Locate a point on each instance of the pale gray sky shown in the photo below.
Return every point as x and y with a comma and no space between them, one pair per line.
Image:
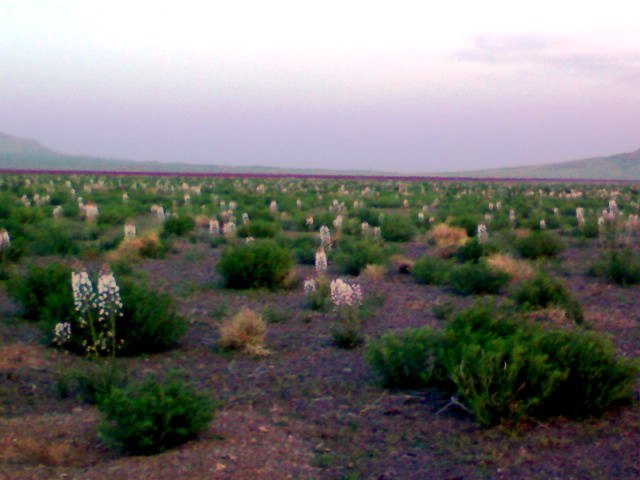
402,85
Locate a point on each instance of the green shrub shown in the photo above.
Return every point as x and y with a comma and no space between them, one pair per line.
397,228
474,279
618,266
261,263
150,322
347,334
590,229
409,359
178,225
43,292
318,299
503,368
443,310
258,229
469,223
153,416
95,381
52,241
542,291
539,244
503,378
432,270
352,255
303,248
595,376
470,251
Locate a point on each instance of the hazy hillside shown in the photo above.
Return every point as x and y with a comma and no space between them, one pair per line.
24,154
20,153
21,146
622,166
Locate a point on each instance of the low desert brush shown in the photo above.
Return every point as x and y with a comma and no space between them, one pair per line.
401,264
246,331
448,239
374,272
147,245
517,269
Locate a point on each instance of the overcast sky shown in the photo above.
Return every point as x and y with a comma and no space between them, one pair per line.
399,85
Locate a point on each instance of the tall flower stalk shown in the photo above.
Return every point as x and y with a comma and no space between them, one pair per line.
109,304
97,310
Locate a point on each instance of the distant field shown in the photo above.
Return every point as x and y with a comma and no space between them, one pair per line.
342,327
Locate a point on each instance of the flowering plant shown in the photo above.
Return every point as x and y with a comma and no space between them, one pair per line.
97,312
347,299
344,294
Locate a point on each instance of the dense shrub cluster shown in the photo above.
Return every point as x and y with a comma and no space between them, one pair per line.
258,229
44,293
353,255
476,278
431,270
409,359
543,291
152,416
178,226
618,266
261,263
539,244
397,228
470,251
504,369
466,279
149,323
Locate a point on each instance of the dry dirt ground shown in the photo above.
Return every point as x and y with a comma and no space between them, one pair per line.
309,410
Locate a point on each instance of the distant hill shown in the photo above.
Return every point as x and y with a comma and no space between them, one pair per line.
21,146
24,154
622,166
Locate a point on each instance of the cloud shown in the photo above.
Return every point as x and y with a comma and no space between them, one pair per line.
582,55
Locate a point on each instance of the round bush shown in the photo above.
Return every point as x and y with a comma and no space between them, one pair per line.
153,416
179,225
44,292
397,228
258,229
352,255
543,291
150,322
539,244
476,278
261,263
432,270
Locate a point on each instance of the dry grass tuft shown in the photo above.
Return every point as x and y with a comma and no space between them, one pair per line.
374,272
202,221
448,239
552,317
246,331
293,280
401,264
517,269
130,248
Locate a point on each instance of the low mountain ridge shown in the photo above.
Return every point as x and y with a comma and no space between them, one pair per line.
621,166
26,154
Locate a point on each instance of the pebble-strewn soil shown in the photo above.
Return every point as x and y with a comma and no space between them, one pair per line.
309,410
